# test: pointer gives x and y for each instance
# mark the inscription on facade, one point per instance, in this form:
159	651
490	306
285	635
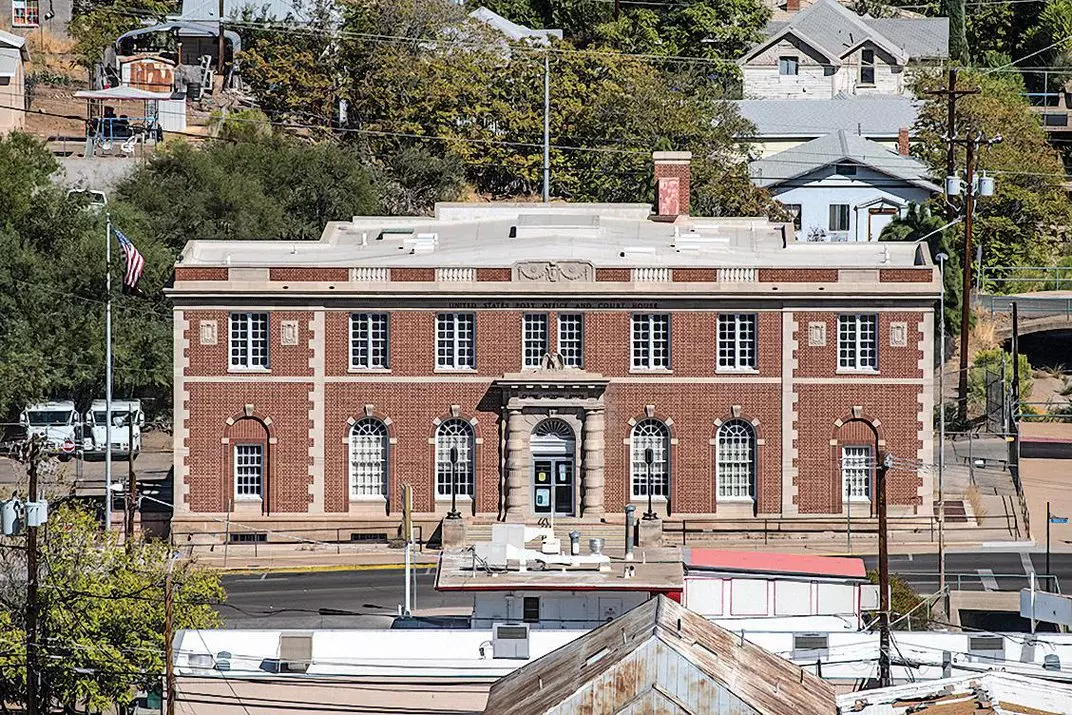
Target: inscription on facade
288	332
208	332
555	305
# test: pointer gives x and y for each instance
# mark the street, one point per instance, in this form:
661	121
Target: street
295	600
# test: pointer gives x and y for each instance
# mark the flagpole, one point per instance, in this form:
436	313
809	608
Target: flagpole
108	380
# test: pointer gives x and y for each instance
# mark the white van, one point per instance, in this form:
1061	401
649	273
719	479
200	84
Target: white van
123	412
54	422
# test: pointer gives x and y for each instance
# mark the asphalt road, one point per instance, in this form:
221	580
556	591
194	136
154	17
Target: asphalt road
294	600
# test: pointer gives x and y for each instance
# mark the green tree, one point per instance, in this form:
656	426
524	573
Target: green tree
958	38
1022	223
986	367
907	610
98	24
101	611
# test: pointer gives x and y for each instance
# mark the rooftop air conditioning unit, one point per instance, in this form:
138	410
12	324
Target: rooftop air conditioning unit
510	640
986	649
810	647
295	652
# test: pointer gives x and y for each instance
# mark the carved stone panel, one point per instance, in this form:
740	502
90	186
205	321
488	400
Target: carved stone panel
898	335
208	332
817	335
288	332
554	272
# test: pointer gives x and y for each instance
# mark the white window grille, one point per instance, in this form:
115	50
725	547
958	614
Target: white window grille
456	341
25	13
248	471
457	434
736	461
368	459
650	434
737	341
571	339
858	341
856	472
249	341
534	339
651	341
369	343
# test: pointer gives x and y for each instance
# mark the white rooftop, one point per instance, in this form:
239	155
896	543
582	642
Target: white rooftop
501	234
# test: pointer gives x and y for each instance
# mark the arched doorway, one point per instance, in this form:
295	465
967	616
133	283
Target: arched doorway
553	447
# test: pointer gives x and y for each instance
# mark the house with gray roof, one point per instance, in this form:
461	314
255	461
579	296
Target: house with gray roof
780	124
827	48
842	187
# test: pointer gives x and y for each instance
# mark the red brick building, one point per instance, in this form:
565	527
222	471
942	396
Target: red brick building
546	348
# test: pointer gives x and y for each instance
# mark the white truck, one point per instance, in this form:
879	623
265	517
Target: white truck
57	423
124	412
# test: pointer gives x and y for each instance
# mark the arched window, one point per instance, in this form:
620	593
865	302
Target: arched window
650	434
736	461
456	434
368	459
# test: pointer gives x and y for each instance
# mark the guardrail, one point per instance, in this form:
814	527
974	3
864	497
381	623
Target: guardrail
1031	278
956	580
1040	306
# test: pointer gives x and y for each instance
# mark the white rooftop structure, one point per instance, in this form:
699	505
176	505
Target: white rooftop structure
992	692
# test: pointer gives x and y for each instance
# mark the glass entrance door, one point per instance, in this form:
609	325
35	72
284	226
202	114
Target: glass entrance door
553	486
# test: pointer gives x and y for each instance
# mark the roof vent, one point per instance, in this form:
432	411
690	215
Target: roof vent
986	649
510	640
809	647
295	652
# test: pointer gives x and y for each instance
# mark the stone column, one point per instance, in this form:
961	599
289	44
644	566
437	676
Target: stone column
517	467
594	446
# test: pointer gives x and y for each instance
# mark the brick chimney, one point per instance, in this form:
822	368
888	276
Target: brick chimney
792	5
902	141
672	183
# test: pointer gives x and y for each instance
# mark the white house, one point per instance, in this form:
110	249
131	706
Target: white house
13	59
827	48
843	187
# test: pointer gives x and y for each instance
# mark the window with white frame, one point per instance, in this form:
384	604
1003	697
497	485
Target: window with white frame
571	339
736	461
454	434
651	341
650	434
25	13
368	459
456	341
369	342
737	341
248	471
856	472
858	341
867	67
535	339
249	341
839	217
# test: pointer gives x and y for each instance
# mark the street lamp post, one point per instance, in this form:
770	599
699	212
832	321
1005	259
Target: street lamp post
649	459
942	258
454	513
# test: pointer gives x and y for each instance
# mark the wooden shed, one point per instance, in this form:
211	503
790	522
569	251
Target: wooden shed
661	658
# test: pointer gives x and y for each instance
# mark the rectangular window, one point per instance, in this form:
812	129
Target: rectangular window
737	341
858	341
795	210
788	65
456	341
530	612
651	341
856	473
249	341
248	470
369	342
534	339
25	13
571	339
867	67
845	169
839	217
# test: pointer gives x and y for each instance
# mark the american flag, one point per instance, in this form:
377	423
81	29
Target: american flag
135	263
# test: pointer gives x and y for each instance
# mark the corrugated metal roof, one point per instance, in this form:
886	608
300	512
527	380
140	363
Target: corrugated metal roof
203	10
873	116
770	563
992	692
660	650
834	148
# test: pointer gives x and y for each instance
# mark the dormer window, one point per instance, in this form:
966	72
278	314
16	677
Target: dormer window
788	66
867	67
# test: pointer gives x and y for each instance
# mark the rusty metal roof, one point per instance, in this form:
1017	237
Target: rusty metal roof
661	657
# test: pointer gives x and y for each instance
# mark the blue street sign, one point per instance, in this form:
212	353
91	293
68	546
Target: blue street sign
1058	519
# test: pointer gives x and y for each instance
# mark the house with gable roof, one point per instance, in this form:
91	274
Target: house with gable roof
827	48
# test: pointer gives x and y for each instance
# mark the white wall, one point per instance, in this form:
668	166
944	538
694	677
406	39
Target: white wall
825	187
725	598
816	77
566	610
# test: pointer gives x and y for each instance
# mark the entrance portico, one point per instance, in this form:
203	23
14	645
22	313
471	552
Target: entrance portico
555	421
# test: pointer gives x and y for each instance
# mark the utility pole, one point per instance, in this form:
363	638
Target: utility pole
617	9
169	635
221	48
132	482
108	377
942	258
33	463
952	94
884	677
